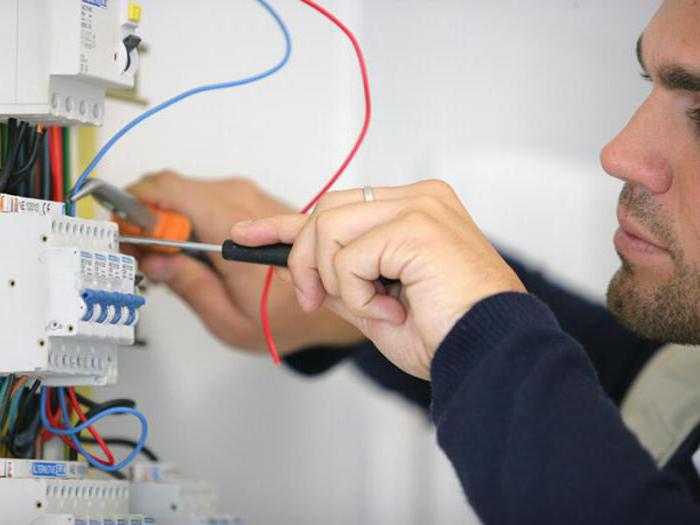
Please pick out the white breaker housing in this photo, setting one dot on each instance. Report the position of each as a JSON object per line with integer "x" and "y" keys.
{"x": 59, "y": 57}
{"x": 68, "y": 298}
{"x": 39, "y": 492}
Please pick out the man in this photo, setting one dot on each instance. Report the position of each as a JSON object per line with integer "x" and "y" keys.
{"x": 523, "y": 385}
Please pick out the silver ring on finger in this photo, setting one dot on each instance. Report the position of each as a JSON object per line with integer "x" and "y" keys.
{"x": 368, "y": 194}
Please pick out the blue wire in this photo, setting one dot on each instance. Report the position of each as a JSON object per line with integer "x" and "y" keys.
{"x": 74, "y": 431}
{"x": 201, "y": 89}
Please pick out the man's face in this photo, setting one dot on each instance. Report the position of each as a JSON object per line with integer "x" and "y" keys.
{"x": 656, "y": 293}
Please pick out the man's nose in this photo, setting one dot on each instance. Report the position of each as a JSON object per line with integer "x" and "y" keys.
{"x": 636, "y": 155}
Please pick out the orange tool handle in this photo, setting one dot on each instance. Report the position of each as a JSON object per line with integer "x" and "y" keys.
{"x": 170, "y": 226}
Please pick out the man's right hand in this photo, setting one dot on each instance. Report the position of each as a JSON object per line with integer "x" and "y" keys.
{"x": 228, "y": 299}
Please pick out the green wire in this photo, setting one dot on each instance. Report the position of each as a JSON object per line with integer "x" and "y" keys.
{"x": 14, "y": 405}
{"x": 67, "y": 182}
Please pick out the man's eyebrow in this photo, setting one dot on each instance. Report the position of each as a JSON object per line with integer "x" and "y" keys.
{"x": 678, "y": 78}
{"x": 671, "y": 76}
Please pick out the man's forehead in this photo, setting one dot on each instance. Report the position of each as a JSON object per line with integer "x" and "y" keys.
{"x": 675, "y": 26}
{"x": 674, "y": 33}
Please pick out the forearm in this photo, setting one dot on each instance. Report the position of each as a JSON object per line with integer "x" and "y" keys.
{"x": 530, "y": 432}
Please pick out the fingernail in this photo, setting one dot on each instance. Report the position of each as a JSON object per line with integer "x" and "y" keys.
{"x": 242, "y": 224}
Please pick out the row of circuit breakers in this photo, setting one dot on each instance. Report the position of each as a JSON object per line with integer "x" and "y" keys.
{"x": 60, "y": 493}
{"x": 68, "y": 298}
{"x": 68, "y": 301}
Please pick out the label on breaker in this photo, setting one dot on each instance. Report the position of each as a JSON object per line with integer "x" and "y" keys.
{"x": 115, "y": 267}
{"x": 14, "y": 204}
{"x": 28, "y": 469}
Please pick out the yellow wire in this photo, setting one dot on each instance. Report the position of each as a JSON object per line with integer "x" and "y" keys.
{"x": 86, "y": 149}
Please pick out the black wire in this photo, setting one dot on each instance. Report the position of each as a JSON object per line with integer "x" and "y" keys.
{"x": 116, "y": 474}
{"x": 20, "y": 174}
{"x": 5, "y": 404}
{"x": 17, "y": 438}
{"x": 112, "y": 403}
{"x": 12, "y": 152}
{"x": 22, "y": 444}
{"x": 121, "y": 442}
{"x": 8, "y": 159}
{"x": 86, "y": 401}
{"x": 22, "y": 407}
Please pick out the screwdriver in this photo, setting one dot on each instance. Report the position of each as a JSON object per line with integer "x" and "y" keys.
{"x": 269, "y": 255}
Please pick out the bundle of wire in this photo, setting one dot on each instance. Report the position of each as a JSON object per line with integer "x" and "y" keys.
{"x": 29, "y": 418}
{"x": 35, "y": 161}
{"x": 69, "y": 433}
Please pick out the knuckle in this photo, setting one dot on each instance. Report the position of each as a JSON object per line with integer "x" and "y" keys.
{"x": 437, "y": 186}
{"x": 440, "y": 189}
{"x": 324, "y": 223}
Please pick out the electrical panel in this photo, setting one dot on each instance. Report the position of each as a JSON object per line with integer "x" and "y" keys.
{"x": 57, "y": 493}
{"x": 68, "y": 298}
{"x": 60, "y": 56}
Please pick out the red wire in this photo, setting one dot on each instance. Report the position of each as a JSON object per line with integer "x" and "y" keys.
{"x": 95, "y": 434}
{"x": 56, "y": 155}
{"x": 55, "y": 420}
{"x": 264, "y": 318}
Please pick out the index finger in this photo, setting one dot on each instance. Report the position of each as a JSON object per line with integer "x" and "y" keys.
{"x": 271, "y": 230}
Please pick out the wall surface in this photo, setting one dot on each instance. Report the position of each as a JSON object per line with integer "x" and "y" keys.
{"x": 509, "y": 101}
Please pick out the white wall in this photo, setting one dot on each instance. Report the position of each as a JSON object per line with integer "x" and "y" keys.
{"x": 510, "y": 101}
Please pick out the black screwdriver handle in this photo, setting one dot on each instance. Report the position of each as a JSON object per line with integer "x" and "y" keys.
{"x": 270, "y": 255}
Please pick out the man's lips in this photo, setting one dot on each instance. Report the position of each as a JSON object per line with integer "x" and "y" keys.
{"x": 631, "y": 239}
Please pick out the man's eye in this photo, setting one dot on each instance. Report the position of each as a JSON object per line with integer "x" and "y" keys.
{"x": 694, "y": 115}
{"x": 645, "y": 76}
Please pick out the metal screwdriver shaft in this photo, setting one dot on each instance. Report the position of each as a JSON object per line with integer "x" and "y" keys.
{"x": 194, "y": 246}
{"x": 271, "y": 255}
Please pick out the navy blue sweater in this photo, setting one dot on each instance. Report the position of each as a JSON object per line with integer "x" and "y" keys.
{"x": 524, "y": 394}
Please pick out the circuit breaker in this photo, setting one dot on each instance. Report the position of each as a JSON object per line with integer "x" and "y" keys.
{"x": 68, "y": 298}
{"x": 38, "y": 492}
{"x": 60, "y": 56}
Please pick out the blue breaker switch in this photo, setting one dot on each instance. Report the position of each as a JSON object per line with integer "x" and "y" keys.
{"x": 103, "y": 299}
{"x": 119, "y": 304}
{"x": 90, "y": 298}
{"x": 135, "y": 302}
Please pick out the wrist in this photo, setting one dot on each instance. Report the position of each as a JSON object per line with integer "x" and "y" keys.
{"x": 321, "y": 328}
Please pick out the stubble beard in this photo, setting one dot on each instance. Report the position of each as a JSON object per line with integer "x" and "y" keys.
{"x": 670, "y": 311}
